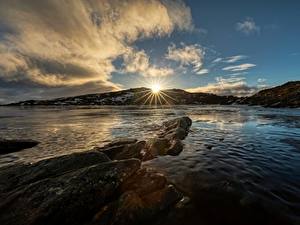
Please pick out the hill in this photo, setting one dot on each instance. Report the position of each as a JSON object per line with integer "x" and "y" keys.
{"x": 136, "y": 96}
{"x": 286, "y": 95}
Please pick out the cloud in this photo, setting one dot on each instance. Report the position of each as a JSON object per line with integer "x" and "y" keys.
{"x": 187, "y": 55}
{"x": 62, "y": 43}
{"x": 241, "y": 67}
{"x": 233, "y": 59}
{"x": 248, "y": 26}
{"x": 261, "y": 80}
{"x": 227, "y": 86}
{"x": 217, "y": 60}
{"x": 139, "y": 62}
{"x": 202, "y": 71}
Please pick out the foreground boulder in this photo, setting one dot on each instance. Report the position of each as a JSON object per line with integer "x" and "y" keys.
{"x": 70, "y": 198}
{"x": 19, "y": 175}
{"x": 89, "y": 188}
{"x": 9, "y": 146}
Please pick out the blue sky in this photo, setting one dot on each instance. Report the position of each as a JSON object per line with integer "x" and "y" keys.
{"x": 56, "y": 48}
{"x": 273, "y": 46}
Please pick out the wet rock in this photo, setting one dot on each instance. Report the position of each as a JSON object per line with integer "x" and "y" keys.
{"x": 121, "y": 142}
{"x": 71, "y": 198}
{"x": 145, "y": 195}
{"x": 167, "y": 142}
{"x": 9, "y": 146}
{"x": 169, "y": 139}
{"x": 89, "y": 188}
{"x": 123, "y": 150}
{"x": 137, "y": 209}
{"x": 15, "y": 176}
{"x": 145, "y": 181}
{"x": 179, "y": 127}
{"x": 175, "y": 148}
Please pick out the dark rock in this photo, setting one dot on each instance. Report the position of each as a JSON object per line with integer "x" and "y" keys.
{"x": 9, "y": 146}
{"x": 137, "y": 209}
{"x": 121, "y": 142}
{"x": 145, "y": 195}
{"x": 175, "y": 148}
{"x": 168, "y": 142}
{"x": 15, "y": 176}
{"x": 169, "y": 139}
{"x": 123, "y": 150}
{"x": 89, "y": 188}
{"x": 145, "y": 181}
{"x": 71, "y": 198}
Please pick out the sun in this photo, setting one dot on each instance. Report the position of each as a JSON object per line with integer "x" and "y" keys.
{"x": 155, "y": 88}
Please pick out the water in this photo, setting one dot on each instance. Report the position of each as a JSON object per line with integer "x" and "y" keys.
{"x": 252, "y": 148}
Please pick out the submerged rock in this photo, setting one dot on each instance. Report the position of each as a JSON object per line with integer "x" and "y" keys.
{"x": 9, "y": 146}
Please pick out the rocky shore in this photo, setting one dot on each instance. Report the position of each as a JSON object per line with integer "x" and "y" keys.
{"x": 106, "y": 185}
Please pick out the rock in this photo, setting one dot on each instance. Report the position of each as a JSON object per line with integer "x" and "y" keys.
{"x": 182, "y": 122}
{"x": 123, "y": 150}
{"x": 167, "y": 142}
{"x": 89, "y": 188}
{"x": 71, "y": 198}
{"x": 144, "y": 182}
{"x": 9, "y": 146}
{"x": 145, "y": 195}
{"x": 15, "y": 176}
{"x": 121, "y": 141}
{"x": 169, "y": 139}
{"x": 137, "y": 209}
{"x": 175, "y": 148}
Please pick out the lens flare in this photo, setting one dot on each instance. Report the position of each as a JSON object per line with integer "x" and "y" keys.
{"x": 155, "y": 93}
{"x": 155, "y": 88}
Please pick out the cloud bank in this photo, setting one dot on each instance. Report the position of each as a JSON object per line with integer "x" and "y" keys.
{"x": 227, "y": 86}
{"x": 66, "y": 44}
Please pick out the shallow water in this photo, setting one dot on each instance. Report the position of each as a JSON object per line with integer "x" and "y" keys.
{"x": 252, "y": 148}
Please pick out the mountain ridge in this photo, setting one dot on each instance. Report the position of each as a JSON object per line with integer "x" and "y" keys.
{"x": 286, "y": 95}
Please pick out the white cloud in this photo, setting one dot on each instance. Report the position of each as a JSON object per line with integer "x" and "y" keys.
{"x": 139, "y": 62}
{"x": 217, "y": 60}
{"x": 241, "y": 67}
{"x": 227, "y": 86}
{"x": 56, "y": 43}
{"x": 202, "y": 71}
{"x": 261, "y": 80}
{"x": 248, "y": 27}
{"x": 187, "y": 55}
{"x": 233, "y": 59}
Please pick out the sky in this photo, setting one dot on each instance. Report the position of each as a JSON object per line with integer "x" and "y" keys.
{"x": 55, "y": 48}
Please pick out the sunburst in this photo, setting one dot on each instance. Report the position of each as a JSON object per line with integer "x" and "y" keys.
{"x": 155, "y": 94}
